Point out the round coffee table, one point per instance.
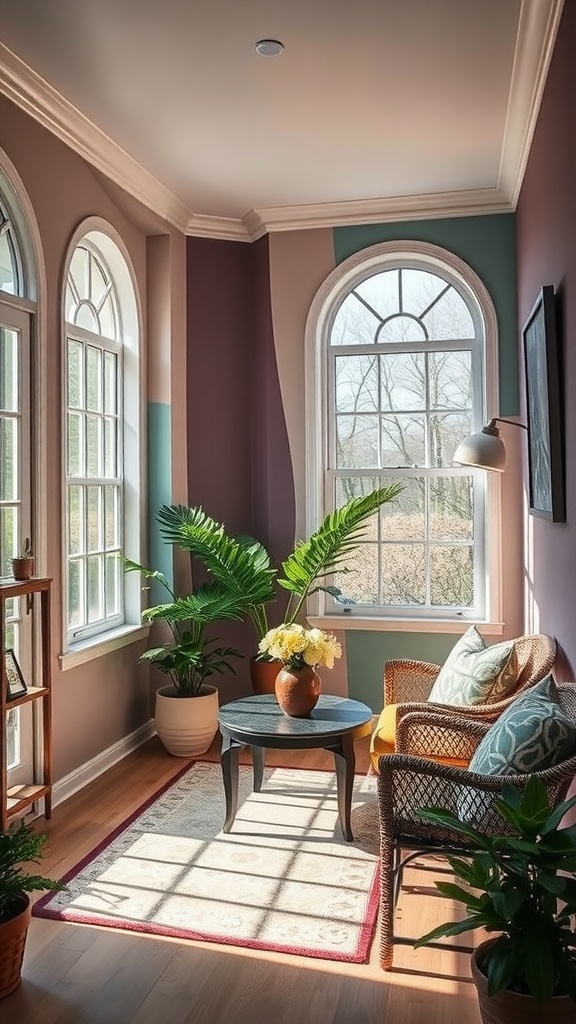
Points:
(257, 722)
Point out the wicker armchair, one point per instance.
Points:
(407, 685)
(407, 783)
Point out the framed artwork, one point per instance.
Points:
(543, 406)
(15, 685)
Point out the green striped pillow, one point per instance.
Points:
(476, 674)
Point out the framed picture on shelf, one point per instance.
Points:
(15, 685)
(543, 406)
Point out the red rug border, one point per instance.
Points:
(367, 928)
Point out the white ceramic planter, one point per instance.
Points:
(186, 725)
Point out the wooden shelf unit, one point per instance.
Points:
(20, 797)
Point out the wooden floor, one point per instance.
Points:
(77, 973)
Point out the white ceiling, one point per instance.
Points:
(377, 109)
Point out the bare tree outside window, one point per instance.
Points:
(402, 349)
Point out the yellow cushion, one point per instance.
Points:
(384, 736)
(384, 741)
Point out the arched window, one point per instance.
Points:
(101, 429)
(11, 272)
(19, 461)
(403, 340)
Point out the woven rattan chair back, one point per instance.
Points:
(536, 656)
(409, 681)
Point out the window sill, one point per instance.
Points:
(403, 625)
(97, 647)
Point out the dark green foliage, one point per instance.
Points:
(327, 548)
(515, 888)
(242, 565)
(241, 582)
(19, 845)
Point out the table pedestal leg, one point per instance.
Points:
(345, 761)
(229, 760)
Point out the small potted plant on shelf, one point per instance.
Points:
(23, 564)
(18, 846)
(520, 886)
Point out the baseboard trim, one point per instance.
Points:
(80, 777)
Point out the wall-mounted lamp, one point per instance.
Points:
(485, 450)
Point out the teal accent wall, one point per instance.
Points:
(367, 650)
(159, 488)
(488, 244)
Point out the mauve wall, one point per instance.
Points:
(239, 466)
(546, 245)
(273, 508)
(96, 704)
(218, 374)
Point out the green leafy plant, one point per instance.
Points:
(242, 564)
(516, 887)
(191, 656)
(26, 549)
(241, 582)
(18, 846)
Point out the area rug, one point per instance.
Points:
(283, 879)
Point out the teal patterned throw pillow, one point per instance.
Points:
(476, 674)
(532, 734)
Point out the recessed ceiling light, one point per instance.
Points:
(269, 47)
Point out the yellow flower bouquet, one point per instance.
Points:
(297, 647)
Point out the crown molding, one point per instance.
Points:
(537, 30)
(461, 203)
(226, 228)
(41, 101)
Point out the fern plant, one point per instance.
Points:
(241, 582)
(325, 551)
(243, 566)
(20, 845)
(192, 655)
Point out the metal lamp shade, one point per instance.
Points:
(484, 450)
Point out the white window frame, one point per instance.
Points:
(108, 245)
(377, 258)
(23, 310)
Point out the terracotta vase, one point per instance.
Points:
(23, 568)
(513, 1007)
(263, 675)
(12, 941)
(297, 691)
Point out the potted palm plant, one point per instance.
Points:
(18, 846)
(186, 709)
(519, 885)
(243, 564)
